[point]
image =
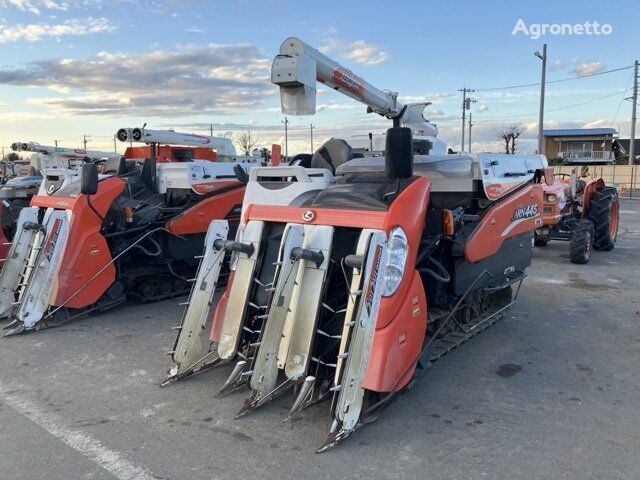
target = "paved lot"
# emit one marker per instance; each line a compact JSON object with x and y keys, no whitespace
{"x":551,"y":392}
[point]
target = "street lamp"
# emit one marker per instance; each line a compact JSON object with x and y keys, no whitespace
{"x":542,"y":56}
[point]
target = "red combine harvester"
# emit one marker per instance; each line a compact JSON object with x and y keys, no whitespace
{"x":347,"y":276}
{"x":90,"y":241}
{"x":21,"y":180}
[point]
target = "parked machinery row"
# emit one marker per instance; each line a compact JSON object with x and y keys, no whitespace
{"x":343,"y":277}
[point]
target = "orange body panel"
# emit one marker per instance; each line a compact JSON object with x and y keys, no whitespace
{"x":552,"y":211}
{"x":164,"y":153}
{"x":276,"y":154}
{"x":86,"y":251}
{"x":498,"y":223}
{"x":396,"y":346}
{"x":322,"y":216}
{"x":211,"y":187}
{"x":197,"y":218}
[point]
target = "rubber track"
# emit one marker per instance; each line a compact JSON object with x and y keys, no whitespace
{"x":453,"y":340}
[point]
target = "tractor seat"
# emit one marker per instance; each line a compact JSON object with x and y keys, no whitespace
{"x":117,"y":166}
{"x":333,"y":153}
{"x":365,"y":190}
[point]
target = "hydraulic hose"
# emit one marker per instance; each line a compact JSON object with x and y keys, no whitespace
{"x":443,"y":276}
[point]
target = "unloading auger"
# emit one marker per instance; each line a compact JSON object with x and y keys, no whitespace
{"x":348,"y":275}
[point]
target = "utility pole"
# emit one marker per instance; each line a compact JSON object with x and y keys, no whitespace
{"x":115,"y":148}
{"x":211,"y":129}
{"x":85,"y":139}
{"x":286,"y":138}
{"x":470,"y":125}
{"x":542,"y":56}
{"x":55,"y":142}
{"x":634,"y":100}
{"x":312,"y":138}
{"x":466,"y":105}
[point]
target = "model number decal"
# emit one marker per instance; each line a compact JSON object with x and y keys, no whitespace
{"x":374,"y":277}
{"x":53,"y":238}
{"x":527,"y":211}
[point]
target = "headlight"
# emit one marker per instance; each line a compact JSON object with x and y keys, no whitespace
{"x":396,"y":260}
{"x":233,"y":263}
{"x":550,"y":198}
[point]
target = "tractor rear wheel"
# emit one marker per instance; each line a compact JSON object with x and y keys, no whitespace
{"x":604,"y":212}
{"x":581,"y":242}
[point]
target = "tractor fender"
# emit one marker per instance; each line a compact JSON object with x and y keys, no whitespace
{"x":590,"y":188}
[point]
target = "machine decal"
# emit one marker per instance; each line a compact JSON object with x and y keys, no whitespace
{"x":527,"y":211}
{"x":374,"y":278}
{"x":348,"y":80}
{"x":53,"y":238}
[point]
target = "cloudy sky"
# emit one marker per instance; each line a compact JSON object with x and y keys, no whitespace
{"x":87,"y":67}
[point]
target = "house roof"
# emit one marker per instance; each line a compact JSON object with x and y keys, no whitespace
{"x":623,"y":145}
{"x":578,"y":132}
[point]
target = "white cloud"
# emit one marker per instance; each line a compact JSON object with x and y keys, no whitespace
{"x":193,"y":30}
{"x":34,"y":6}
{"x":185,"y":80}
{"x":558,"y":65}
{"x":482,"y":108}
{"x":588,"y":68}
{"x":358,"y":51}
{"x":10,"y":117}
{"x":38,"y":31}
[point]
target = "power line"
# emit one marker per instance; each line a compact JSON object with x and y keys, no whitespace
{"x":564,"y":107}
{"x":615,"y":116}
{"x":524,"y":85}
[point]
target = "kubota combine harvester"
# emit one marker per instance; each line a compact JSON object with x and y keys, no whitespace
{"x":21,"y":181}
{"x":90,"y":241}
{"x":584,"y":212}
{"x":348,"y":275}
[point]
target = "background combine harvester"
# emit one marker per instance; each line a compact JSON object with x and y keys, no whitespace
{"x":584,"y":212}
{"x":90,"y":241}
{"x":21,"y":180}
{"x":346,"y":276}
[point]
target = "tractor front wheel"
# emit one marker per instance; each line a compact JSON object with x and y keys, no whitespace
{"x":581,"y":242}
{"x":540,"y":240}
{"x":604,"y":212}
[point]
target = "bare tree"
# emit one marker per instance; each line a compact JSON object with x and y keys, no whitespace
{"x":509,"y":135}
{"x":507,"y":139}
{"x":246,"y":141}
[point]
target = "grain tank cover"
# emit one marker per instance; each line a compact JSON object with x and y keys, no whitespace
{"x":495,"y":173}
